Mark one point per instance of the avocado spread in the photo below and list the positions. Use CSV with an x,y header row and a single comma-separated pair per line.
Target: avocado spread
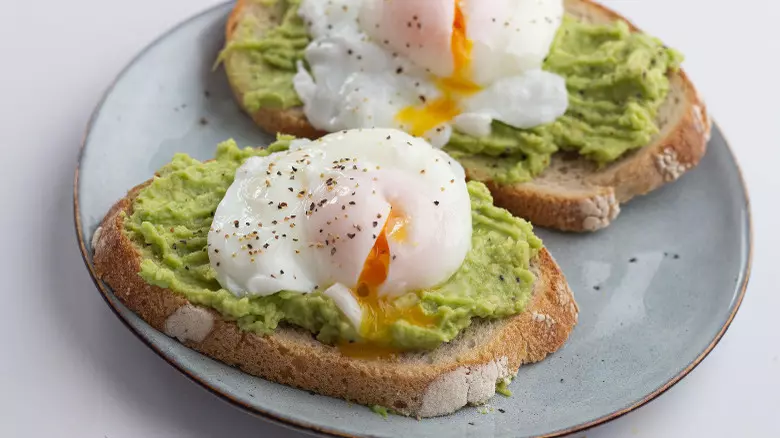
x,y
616,79
170,221
380,410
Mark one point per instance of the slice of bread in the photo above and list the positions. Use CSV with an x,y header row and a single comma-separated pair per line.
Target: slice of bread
x,y
573,194
464,371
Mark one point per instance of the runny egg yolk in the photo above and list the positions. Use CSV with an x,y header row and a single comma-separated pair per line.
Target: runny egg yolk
x,y
421,119
379,313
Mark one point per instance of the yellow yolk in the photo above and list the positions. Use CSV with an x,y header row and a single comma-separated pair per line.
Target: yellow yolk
x,y
460,82
421,119
379,314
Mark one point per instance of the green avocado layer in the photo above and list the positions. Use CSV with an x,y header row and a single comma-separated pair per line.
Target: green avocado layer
x,y
171,218
616,80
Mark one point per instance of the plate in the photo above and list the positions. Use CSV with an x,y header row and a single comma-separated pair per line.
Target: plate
x,y
657,289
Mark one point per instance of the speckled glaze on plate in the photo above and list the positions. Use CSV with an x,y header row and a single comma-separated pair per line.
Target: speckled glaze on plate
x,y
657,289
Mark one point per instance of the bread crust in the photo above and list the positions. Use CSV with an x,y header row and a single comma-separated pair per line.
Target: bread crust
x,y
413,384
552,200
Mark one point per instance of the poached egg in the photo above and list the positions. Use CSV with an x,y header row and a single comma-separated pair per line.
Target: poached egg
x,y
428,66
363,216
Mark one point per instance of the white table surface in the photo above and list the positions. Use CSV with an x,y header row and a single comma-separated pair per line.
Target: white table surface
x,y
68,367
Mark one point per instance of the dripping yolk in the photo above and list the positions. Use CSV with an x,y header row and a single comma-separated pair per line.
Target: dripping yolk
x,y
421,119
460,82
380,313
377,263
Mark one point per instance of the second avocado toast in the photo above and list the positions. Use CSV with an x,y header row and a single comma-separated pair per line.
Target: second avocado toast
x,y
634,121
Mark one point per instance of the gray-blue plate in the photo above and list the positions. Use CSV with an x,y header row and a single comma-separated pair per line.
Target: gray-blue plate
x,y
657,289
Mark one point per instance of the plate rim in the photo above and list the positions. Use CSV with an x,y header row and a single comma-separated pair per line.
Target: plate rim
x,y
309,428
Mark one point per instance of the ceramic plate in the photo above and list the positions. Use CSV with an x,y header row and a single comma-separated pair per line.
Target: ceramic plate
x,y
657,289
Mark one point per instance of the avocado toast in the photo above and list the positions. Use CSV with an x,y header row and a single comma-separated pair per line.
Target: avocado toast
x,y
570,175
151,249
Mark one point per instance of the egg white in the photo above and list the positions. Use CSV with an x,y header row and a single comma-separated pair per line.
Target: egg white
x,y
371,59
306,219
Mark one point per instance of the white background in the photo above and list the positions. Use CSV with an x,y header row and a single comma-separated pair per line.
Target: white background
x,y
68,367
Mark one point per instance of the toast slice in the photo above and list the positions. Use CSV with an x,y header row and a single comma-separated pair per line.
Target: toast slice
x,y
463,371
573,194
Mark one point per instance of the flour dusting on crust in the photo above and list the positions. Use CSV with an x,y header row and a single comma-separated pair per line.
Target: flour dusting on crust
x,y
189,323
472,385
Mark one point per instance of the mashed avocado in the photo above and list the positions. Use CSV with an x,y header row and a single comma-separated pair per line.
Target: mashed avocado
x,y
502,387
616,81
267,61
171,218
380,410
